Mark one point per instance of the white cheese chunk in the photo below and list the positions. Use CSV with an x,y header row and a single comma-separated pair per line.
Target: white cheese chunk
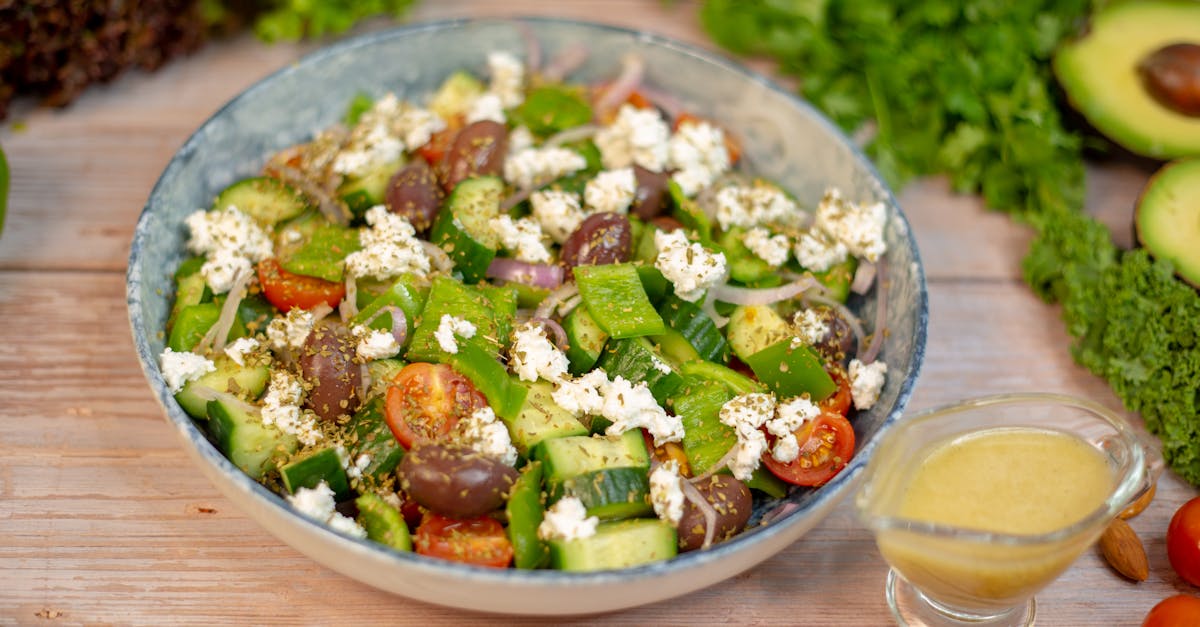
x,y
746,413
389,248
486,107
697,152
583,396
818,252
533,355
532,167
688,266
281,407
809,327
318,504
179,368
790,416
866,382
522,237
750,205
772,249
507,78
631,405
567,520
636,137
486,435
238,349
610,191
558,212
374,343
289,331
231,242
448,328
666,493
859,228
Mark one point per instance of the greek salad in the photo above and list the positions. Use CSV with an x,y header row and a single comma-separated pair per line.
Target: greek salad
x,y
527,322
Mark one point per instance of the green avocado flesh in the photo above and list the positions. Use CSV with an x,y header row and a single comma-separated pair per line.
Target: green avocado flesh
x,y
1099,74
1168,217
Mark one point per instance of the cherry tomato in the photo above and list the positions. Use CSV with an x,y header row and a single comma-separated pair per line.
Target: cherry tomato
x,y
668,451
288,291
826,446
732,146
425,401
480,541
1181,610
839,401
433,150
1183,541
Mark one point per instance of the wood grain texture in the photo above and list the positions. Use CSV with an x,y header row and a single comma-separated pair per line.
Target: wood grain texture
x,y
104,520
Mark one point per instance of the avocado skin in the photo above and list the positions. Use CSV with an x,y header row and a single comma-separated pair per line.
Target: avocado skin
x,y
1168,217
1098,73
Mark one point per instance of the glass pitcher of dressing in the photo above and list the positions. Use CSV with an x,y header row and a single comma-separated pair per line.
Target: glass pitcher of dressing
x,y
979,505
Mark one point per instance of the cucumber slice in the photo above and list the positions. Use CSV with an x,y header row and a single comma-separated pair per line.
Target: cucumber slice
x,y
369,189
309,471
541,419
705,440
190,289
696,326
267,200
384,523
608,493
462,227
239,433
368,434
618,544
585,340
573,456
525,513
248,381
675,347
636,360
754,327
455,95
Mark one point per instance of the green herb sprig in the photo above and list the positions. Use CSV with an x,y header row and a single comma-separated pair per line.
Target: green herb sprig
x,y
965,89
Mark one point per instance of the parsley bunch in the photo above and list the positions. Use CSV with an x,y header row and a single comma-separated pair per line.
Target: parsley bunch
x,y
965,89
292,20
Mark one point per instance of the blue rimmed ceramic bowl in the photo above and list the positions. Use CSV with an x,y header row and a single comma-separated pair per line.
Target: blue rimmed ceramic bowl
x,y
784,138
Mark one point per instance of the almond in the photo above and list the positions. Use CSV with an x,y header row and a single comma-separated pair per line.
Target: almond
x,y
1124,552
1138,505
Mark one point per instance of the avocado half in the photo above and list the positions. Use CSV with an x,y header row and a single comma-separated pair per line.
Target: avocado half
x,y
1168,217
1099,73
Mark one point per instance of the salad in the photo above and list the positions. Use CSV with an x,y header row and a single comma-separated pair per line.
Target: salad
x,y
527,323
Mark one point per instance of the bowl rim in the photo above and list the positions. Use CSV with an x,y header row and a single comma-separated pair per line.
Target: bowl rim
x,y
835,489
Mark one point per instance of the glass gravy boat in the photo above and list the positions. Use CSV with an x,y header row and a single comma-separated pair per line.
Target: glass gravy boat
x,y
949,575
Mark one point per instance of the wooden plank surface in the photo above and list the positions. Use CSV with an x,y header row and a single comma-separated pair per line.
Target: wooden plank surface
x,y
103,518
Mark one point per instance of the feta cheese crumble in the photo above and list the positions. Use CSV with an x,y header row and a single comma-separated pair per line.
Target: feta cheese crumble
x,y
610,191
522,237
688,266
789,417
179,368
281,407
486,107
631,405
372,141
809,327
537,166
389,248
558,212
289,331
567,520
507,78
697,151
230,240
746,413
449,327
583,396
750,205
486,435
417,126
818,252
238,349
772,249
533,355
318,504
666,494
859,228
374,343
636,137
866,382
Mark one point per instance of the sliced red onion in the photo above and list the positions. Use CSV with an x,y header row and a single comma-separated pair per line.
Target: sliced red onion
x,y
364,382
692,493
552,300
569,305
761,296
399,322
709,308
721,464
864,276
845,313
203,392
632,70
881,300
566,62
320,312
547,275
217,335
329,206
437,257
348,308
560,334
518,197
571,135
663,100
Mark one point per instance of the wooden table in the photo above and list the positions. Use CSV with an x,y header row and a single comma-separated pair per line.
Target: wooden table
x,y
104,520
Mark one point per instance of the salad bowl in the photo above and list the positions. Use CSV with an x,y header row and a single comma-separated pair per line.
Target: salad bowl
x,y
783,139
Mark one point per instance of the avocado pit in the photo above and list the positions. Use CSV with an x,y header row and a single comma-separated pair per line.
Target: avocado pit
x,y
1171,75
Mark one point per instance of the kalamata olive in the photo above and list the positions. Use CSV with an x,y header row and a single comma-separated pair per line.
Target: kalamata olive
x,y
327,363
649,200
1172,76
602,238
453,481
729,497
666,224
414,193
839,343
477,150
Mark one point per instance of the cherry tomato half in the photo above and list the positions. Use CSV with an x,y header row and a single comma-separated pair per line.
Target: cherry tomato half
x,y
839,401
288,291
480,541
1181,610
826,446
425,401
439,143
1183,541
